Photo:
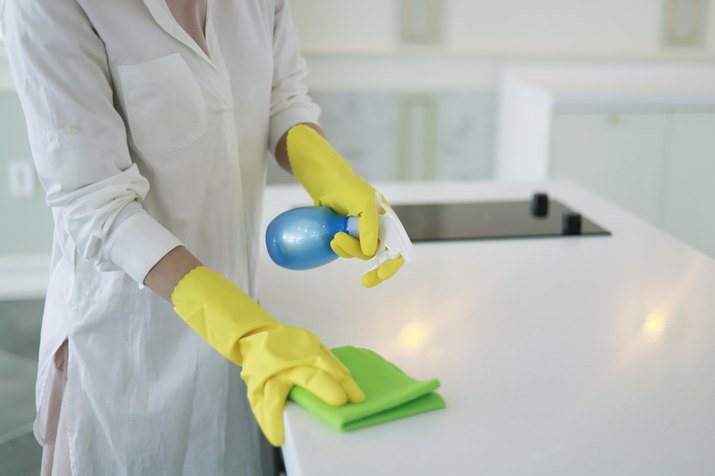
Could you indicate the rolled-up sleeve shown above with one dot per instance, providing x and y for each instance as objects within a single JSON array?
[
  {"x": 290, "y": 103},
  {"x": 77, "y": 137}
]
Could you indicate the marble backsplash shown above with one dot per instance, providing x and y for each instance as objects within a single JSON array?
[{"x": 394, "y": 136}]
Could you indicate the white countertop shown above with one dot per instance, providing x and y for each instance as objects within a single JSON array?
[
  {"x": 591, "y": 355},
  {"x": 660, "y": 83}
]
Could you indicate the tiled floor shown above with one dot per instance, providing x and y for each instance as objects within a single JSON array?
[{"x": 19, "y": 339}]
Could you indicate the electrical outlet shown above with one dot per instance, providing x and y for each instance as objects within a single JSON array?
[
  {"x": 684, "y": 22},
  {"x": 22, "y": 179}
]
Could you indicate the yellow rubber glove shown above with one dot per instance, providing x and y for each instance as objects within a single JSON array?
[
  {"x": 273, "y": 356},
  {"x": 331, "y": 182},
  {"x": 346, "y": 246}
]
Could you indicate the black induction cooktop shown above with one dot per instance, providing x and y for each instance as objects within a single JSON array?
[{"x": 539, "y": 217}]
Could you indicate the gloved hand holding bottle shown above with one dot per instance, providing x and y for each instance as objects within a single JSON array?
[{"x": 331, "y": 182}]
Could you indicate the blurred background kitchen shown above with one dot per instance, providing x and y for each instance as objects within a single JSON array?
[{"x": 617, "y": 95}]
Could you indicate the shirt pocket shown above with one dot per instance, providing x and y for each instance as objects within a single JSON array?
[{"x": 163, "y": 103}]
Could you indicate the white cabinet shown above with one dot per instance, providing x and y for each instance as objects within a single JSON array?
[
  {"x": 620, "y": 156},
  {"x": 660, "y": 166},
  {"x": 641, "y": 135},
  {"x": 689, "y": 211}
]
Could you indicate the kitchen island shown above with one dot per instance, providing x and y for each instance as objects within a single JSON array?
[{"x": 566, "y": 355}]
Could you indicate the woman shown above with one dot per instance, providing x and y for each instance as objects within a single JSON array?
[{"x": 149, "y": 122}]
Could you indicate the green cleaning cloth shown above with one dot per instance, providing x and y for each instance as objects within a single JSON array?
[{"x": 391, "y": 394}]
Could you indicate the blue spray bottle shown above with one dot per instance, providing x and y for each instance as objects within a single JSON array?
[{"x": 300, "y": 238}]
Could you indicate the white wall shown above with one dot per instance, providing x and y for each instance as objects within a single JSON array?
[
  {"x": 555, "y": 27},
  {"x": 521, "y": 28},
  {"x": 346, "y": 25}
]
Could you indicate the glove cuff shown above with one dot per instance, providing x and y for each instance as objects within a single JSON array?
[
  {"x": 315, "y": 164},
  {"x": 218, "y": 310}
]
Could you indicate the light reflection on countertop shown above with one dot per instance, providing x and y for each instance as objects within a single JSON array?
[
  {"x": 654, "y": 326},
  {"x": 413, "y": 337}
]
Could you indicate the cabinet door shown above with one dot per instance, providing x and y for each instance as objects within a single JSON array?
[
  {"x": 619, "y": 156},
  {"x": 465, "y": 135},
  {"x": 689, "y": 210}
]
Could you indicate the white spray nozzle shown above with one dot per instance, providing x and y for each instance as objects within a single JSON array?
[{"x": 394, "y": 241}]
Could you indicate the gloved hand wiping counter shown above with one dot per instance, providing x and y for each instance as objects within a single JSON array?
[{"x": 274, "y": 357}]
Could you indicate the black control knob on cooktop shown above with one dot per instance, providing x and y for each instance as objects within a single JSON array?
[
  {"x": 540, "y": 205},
  {"x": 571, "y": 224}
]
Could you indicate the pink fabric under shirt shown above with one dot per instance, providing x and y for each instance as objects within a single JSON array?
[{"x": 191, "y": 15}]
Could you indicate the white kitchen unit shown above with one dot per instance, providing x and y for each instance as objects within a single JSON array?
[
  {"x": 623, "y": 156},
  {"x": 659, "y": 165},
  {"x": 637, "y": 134},
  {"x": 588, "y": 355},
  {"x": 689, "y": 207},
  {"x": 530, "y": 95}
]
